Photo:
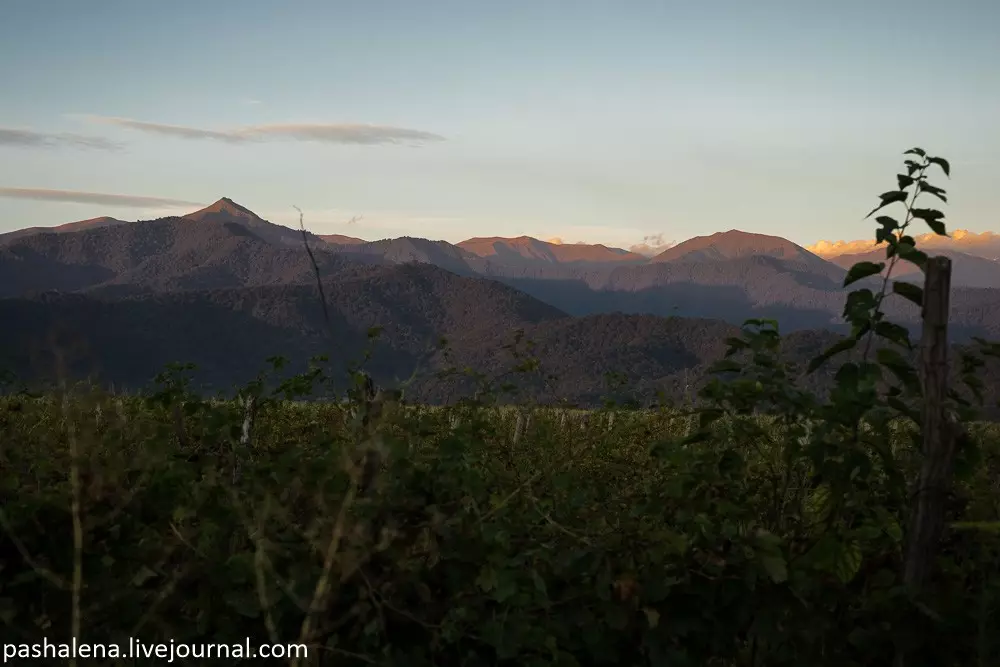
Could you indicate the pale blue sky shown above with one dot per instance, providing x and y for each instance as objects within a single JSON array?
[{"x": 591, "y": 121}]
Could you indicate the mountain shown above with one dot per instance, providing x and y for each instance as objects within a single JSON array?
[
  {"x": 525, "y": 249},
  {"x": 967, "y": 270},
  {"x": 985, "y": 244},
  {"x": 164, "y": 254},
  {"x": 731, "y": 276},
  {"x": 227, "y": 212},
  {"x": 730, "y": 281},
  {"x": 93, "y": 223},
  {"x": 225, "y": 289},
  {"x": 736, "y": 244}
]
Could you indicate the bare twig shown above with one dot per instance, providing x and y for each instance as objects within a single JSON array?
[
  {"x": 321, "y": 592},
  {"x": 315, "y": 265}
]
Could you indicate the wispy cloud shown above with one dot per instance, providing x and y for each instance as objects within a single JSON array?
[
  {"x": 652, "y": 244},
  {"x": 337, "y": 133},
  {"x": 20, "y": 138},
  {"x": 105, "y": 199}
]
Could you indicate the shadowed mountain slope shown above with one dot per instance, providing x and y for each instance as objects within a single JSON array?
[
  {"x": 230, "y": 333},
  {"x": 125, "y": 337}
]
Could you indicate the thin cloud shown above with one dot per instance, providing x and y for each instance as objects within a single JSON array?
[
  {"x": 337, "y": 133},
  {"x": 19, "y": 138},
  {"x": 169, "y": 130},
  {"x": 104, "y": 199}
]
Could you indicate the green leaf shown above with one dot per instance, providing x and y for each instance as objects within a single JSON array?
[
  {"x": 539, "y": 583},
  {"x": 937, "y": 227},
  {"x": 835, "y": 349},
  {"x": 849, "y": 562},
  {"x": 867, "y": 532},
  {"x": 893, "y": 332},
  {"x": 889, "y": 225},
  {"x": 142, "y": 576},
  {"x": 904, "y": 181},
  {"x": 735, "y": 345},
  {"x": 887, "y": 198},
  {"x": 487, "y": 579},
  {"x": 909, "y": 291},
  {"x": 506, "y": 585},
  {"x": 941, "y": 162},
  {"x": 840, "y": 558},
  {"x": 910, "y": 254},
  {"x": 899, "y": 367},
  {"x": 932, "y": 217},
  {"x": 770, "y": 556},
  {"x": 984, "y": 526},
  {"x": 696, "y": 437},
  {"x": 927, "y": 213},
  {"x": 862, "y": 270},
  {"x": 924, "y": 186},
  {"x": 916, "y": 151},
  {"x": 725, "y": 366},
  {"x": 818, "y": 504},
  {"x": 775, "y": 566}
]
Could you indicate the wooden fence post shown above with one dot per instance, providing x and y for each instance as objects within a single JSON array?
[
  {"x": 939, "y": 434},
  {"x": 939, "y": 428}
]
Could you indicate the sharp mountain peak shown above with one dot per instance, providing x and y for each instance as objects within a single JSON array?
[{"x": 223, "y": 207}]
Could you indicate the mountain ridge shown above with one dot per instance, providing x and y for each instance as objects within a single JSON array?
[
  {"x": 982, "y": 244},
  {"x": 731, "y": 275},
  {"x": 530, "y": 249}
]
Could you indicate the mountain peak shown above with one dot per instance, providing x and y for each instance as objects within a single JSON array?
[
  {"x": 733, "y": 244},
  {"x": 223, "y": 207},
  {"x": 227, "y": 212}
]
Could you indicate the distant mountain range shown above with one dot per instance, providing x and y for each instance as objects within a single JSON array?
[
  {"x": 226, "y": 289},
  {"x": 526, "y": 251},
  {"x": 985, "y": 244}
]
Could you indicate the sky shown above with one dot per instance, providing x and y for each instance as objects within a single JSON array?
[{"x": 605, "y": 122}]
